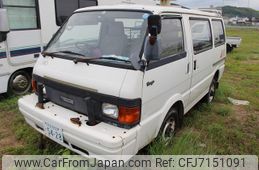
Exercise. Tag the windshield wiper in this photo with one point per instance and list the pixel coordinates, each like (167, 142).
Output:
(76, 60)
(66, 52)
(85, 59)
(113, 58)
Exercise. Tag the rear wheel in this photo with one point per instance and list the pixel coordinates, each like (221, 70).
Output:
(212, 91)
(169, 126)
(229, 48)
(19, 83)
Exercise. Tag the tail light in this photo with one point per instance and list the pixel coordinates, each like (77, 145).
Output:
(34, 85)
(129, 116)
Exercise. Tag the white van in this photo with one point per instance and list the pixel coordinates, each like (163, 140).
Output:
(114, 78)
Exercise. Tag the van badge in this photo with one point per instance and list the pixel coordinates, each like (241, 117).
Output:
(150, 83)
(67, 100)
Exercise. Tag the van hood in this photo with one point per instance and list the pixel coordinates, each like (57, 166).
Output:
(98, 78)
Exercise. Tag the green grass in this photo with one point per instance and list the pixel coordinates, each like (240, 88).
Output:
(219, 128)
(27, 137)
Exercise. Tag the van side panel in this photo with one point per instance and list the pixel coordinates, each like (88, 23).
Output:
(21, 48)
(3, 83)
(202, 60)
(208, 63)
(4, 73)
(171, 84)
(162, 87)
(132, 85)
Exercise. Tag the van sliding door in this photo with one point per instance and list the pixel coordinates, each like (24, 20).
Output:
(202, 57)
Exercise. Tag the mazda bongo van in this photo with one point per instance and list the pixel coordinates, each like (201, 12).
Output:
(114, 78)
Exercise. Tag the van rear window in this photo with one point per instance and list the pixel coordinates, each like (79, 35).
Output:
(218, 32)
(201, 35)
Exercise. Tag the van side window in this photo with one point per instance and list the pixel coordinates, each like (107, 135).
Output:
(218, 32)
(65, 8)
(201, 35)
(171, 37)
(22, 14)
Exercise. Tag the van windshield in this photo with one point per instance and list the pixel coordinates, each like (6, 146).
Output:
(112, 36)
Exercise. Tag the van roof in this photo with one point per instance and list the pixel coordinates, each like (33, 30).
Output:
(153, 9)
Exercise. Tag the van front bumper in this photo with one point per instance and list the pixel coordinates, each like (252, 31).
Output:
(101, 139)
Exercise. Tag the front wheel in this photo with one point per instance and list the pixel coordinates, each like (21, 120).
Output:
(19, 83)
(169, 126)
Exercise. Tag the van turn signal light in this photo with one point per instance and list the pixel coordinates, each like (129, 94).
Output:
(34, 85)
(129, 116)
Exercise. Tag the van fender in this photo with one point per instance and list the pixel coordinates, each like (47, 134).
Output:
(168, 105)
(4, 78)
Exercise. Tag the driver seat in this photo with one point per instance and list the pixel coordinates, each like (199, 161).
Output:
(113, 40)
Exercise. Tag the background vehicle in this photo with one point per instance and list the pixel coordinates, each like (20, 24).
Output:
(233, 42)
(32, 24)
(99, 99)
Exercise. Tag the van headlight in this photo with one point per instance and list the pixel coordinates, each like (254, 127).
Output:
(110, 110)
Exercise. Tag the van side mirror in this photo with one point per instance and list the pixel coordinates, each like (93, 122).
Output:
(154, 25)
(152, 44)
(4, 24)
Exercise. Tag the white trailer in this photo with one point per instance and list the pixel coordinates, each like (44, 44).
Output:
(114, 78)
(31, 26)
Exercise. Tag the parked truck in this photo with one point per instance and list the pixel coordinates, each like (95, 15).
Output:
(233, 42)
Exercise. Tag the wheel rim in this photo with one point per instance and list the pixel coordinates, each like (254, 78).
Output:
(212, 93)
(20, 83)
(169, 130)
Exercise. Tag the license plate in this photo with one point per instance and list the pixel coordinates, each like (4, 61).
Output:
(53, 132)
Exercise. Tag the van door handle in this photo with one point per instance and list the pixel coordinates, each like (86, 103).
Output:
(195, 64)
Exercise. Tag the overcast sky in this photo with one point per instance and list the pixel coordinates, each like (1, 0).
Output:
(206, 3)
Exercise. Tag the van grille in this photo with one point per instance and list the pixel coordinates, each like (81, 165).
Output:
(67, 100)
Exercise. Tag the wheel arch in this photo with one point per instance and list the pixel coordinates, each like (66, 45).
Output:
(216, 75)
(180, 107)
(26, 69)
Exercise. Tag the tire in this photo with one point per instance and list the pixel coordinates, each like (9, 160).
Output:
(210, 96)
(169, 126)
(19, 83)
(229, 48)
